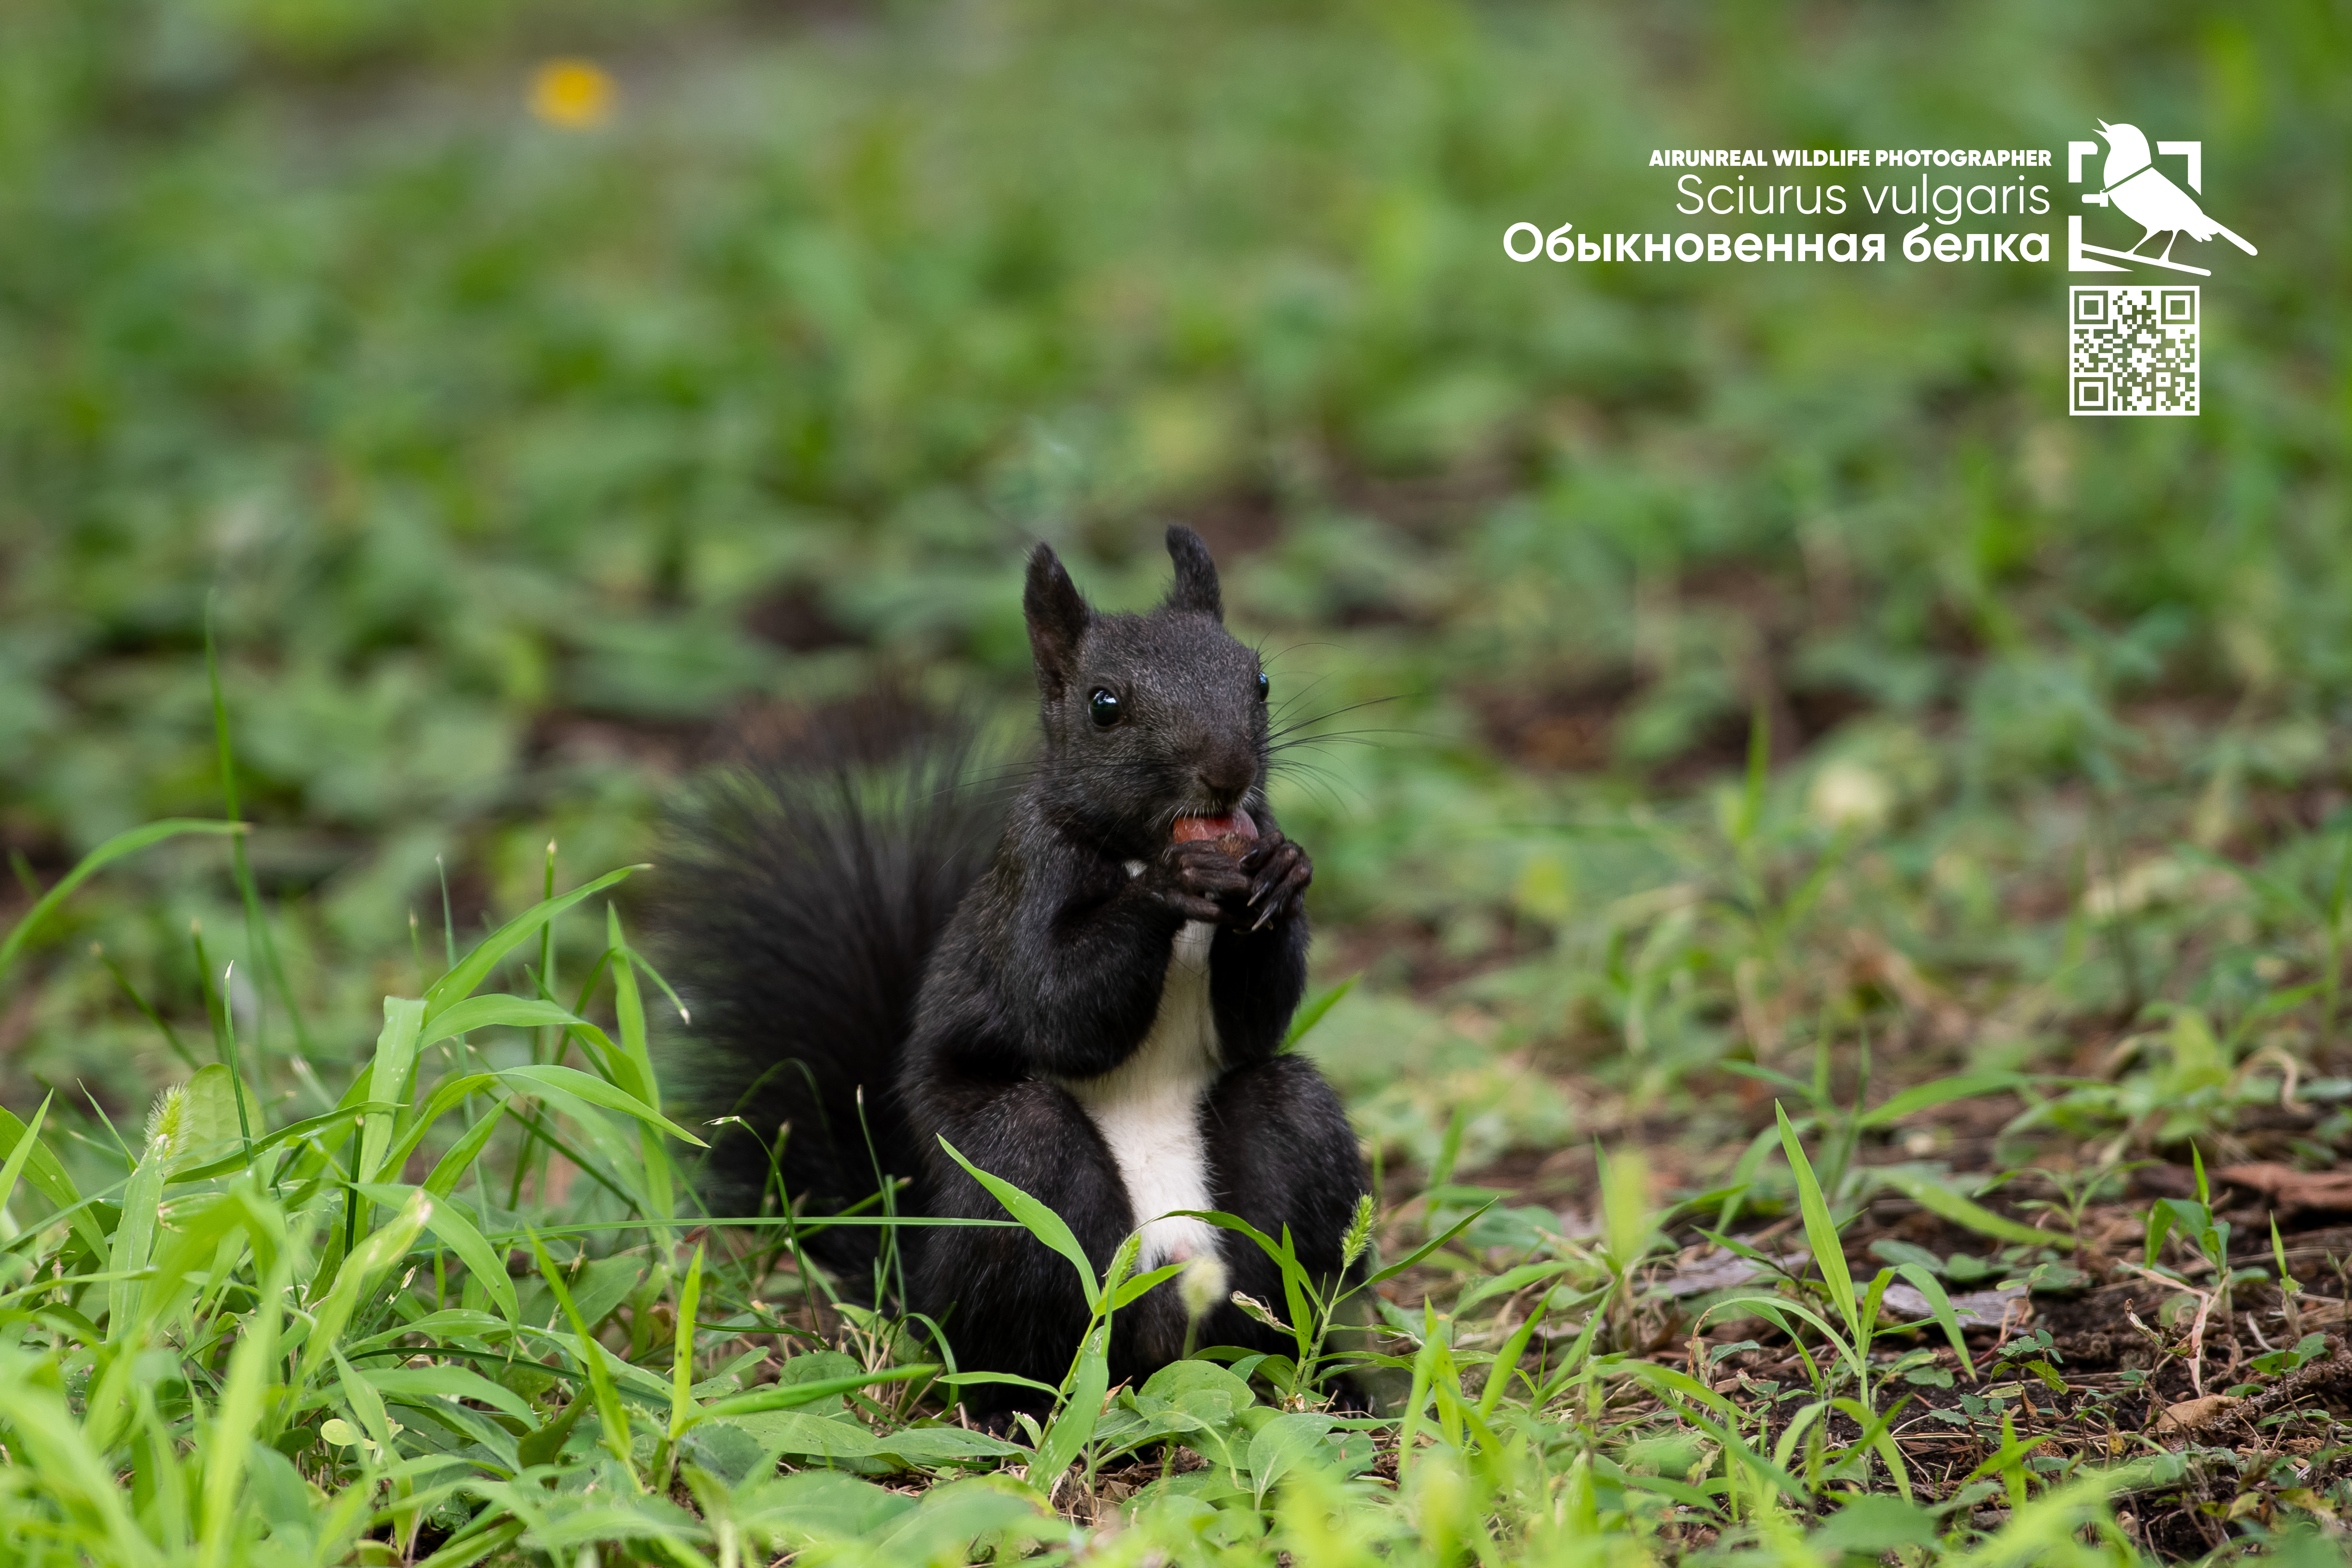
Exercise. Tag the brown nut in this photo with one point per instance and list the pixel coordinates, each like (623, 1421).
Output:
(1231, 835)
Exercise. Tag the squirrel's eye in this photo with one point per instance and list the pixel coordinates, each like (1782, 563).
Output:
(1263, 686)
(1104, 705)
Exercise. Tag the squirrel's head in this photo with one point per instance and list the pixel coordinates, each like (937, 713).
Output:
(1147, 718)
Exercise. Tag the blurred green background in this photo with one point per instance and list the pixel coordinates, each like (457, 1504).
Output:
(516, 443)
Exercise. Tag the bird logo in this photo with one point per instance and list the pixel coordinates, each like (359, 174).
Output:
(2135, 187)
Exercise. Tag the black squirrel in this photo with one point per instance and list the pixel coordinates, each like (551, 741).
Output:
(1079, 1003)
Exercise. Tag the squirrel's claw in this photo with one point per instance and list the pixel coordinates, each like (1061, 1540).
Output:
(1263, 850)
(1280, 887)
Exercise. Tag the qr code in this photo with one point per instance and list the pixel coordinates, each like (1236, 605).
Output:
(2132, 351)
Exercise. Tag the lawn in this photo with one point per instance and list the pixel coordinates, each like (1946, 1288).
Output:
(1832, 875)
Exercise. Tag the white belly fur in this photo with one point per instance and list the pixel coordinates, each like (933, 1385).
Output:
(1147, 1109)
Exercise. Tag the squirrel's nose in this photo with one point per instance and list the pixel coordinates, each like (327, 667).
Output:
(1226, 775)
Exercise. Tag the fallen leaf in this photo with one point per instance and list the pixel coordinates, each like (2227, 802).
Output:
(2305, 1499)
(2290, 1189)
(1719, 1272)
(2191, 1412)
(1985, 1306)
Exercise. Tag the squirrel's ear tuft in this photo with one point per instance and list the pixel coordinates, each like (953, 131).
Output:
(1057, 619)
(1196, 574)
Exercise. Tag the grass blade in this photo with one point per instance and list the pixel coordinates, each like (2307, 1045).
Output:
(47, 1441)
(792, 1395)
(134, 1234)
(594, 1090)
(448, 1220)
(1142, 1284)
(1312, 1014)
(1820, 1230)
(360, 1269)
(633, 1064)
(388, 1074)
(289, 1134)
(1939, 1303)
(681, 1384)
(1942, 1091)
(1073, 1426)
(1039, 1220)
(26, 1140)
(453, 1165)
(611, 1413)
(498, 1011)
(1426, 1247)
(467, 975)
(257, 923)
(125, 843)
(1939, 1199)
(239, 1413)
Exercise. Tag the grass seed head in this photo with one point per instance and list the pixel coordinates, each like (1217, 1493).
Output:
(1201, 1285)
(167, 1123)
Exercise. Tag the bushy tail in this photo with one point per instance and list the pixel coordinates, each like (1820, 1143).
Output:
(806, 886)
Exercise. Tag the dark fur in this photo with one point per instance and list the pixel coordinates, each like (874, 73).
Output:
(808, 880)
(813, 919)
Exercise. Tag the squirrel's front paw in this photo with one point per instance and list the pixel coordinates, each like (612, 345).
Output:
(1278, 871)
(1197, 880)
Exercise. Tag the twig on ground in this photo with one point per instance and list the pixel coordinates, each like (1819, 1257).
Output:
(2195, 1329)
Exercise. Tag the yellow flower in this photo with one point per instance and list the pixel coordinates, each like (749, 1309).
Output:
(573, 93)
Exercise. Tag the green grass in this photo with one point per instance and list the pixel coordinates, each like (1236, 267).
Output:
(332, 1338)
(1779, 699)
(265, 1341)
